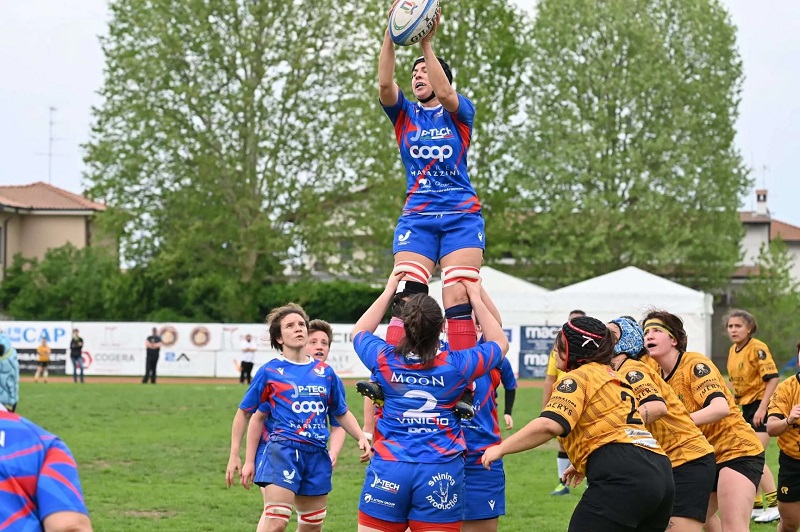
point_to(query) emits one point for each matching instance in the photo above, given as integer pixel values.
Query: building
(38, 217)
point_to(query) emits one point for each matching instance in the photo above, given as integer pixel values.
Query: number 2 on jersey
(632, 418)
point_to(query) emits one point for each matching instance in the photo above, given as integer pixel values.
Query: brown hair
(422, 320)
(323, 326)
(573, 341)
(748, 318)
(275, 317)
(675, 325)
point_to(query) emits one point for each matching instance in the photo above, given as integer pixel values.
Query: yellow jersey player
(595, 417)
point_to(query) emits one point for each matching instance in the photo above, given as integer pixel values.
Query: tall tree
(773, 296)
(630, 153)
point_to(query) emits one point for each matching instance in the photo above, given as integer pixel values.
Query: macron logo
(403, 238)
(280, 370)
(491, 504)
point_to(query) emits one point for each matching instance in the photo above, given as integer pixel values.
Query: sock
(771, 498)
(461, 333)
(563, 464)
(758, 503)
(395, 332)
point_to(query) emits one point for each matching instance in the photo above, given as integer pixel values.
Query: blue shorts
(487, 491)
(437, 235)
(302, 468)
(401, 491)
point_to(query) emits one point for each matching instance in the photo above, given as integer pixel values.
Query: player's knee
(312, 518)
(278, 511)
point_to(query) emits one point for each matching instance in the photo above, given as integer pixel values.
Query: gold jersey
(697, 381)
(552, 365)
(749, 369)
(596, 408)
(786, 395)
(677, 434)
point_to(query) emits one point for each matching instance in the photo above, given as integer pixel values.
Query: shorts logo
(480, 236)
(306, 407)
(762, 355)
(701, 370)
(784, 490)
(491, 504)
(403, 238)
(567, 386)
(385, 485)
(287, 477)
(634, 376)
(441, 498)
(440, 153)
(370, 499)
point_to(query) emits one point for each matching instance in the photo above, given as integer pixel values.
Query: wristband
(368, 435)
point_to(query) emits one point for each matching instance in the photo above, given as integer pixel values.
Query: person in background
(553, 373)
(153, 345)
(249, 349)
(43, 351)
(76, 355)
(39, 479)
(9, 374)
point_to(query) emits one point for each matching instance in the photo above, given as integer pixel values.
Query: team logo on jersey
(567, 386)
(404, 238)
(440, 153)
(287, 477)
(368, 498)
(385, 485)
(701, 370)
(762, 355)
(634, 376)
(491, 504)
(480, 236)
(320, 371)
(280, 370)
(442, 498)
(307, 407)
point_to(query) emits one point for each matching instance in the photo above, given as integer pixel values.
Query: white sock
(563, 464)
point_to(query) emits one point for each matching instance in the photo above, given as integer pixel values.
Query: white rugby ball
(411, 20)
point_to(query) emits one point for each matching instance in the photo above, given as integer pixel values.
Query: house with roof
(39, 216)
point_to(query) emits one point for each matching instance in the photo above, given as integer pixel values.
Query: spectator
(249, 349)
(41, 490)
(9, 374)
(76, 355)
(153, 344)
(44, 361)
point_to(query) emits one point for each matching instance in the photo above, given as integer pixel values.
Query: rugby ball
(411, 20)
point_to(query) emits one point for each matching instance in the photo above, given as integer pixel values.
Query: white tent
(631, 291)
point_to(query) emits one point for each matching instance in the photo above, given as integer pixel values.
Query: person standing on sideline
(9, 374)
(249, 349)
(41, 489)
(76, 355)
(44, 360)
(153, 345)
(553, 374)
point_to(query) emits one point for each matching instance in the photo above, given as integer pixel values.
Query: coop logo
(440, 153)
(306, 407)
(385, 485)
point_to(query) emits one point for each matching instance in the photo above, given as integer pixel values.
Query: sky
(52, 59)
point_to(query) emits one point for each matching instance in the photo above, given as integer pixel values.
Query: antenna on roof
(51, 138)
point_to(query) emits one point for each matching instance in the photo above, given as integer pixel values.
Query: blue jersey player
(39, 479)
(441, 220)
(416, 476)
(295, 392)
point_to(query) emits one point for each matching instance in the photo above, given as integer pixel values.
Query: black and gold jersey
(786, 395)
(749, 369)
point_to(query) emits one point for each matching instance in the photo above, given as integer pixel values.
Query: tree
(630, 151)
(773, 297)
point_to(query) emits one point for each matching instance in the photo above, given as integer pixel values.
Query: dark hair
(577, 312)
(674, 323)
(275, 317)
(323, 326)
(585, 339)
(445, 67)
(422, 320)
(748, 318)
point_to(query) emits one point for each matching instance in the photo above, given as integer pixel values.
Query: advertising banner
(536, 342)
(26, 336)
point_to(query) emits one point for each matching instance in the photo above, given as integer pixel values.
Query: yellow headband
(653, 322)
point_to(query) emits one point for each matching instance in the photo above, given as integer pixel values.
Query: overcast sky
(51, 57)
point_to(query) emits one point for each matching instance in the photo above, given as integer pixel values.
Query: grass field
(152, 458)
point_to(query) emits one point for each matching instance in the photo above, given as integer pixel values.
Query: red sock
(396, 331)
(461, 334)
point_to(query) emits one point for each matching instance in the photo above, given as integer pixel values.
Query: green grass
(152, 458)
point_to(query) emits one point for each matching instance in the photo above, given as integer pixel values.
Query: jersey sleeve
(337, 403)
(552, 364)
(394, 111)
(466, 112)
(766, 364)
(252, 397)
(780, 404)
(706, 383)
(58, 488)
(477, 361)
(368, 347)
(566, 403)
(333, 421)
(644, 388)
(507, 375)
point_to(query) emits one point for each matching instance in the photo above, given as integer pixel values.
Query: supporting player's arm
(350, 424)
(445, 92)
(254, 430)
(652, 411)
(717, 409)
(238, 428)
(370, 320)
(369, 418)
(532, 435)
(760, 415)
(492, 331)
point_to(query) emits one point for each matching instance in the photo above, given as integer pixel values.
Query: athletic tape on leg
(278, 510)
(415, 270)
(453, 274)
(313, 518)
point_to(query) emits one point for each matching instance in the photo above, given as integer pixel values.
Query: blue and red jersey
(433, 147)
(298, 398)
(483, 430)
(38, 475)
(417, 422)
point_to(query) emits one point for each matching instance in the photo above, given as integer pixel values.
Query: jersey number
(425, 410)
(631, 415)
